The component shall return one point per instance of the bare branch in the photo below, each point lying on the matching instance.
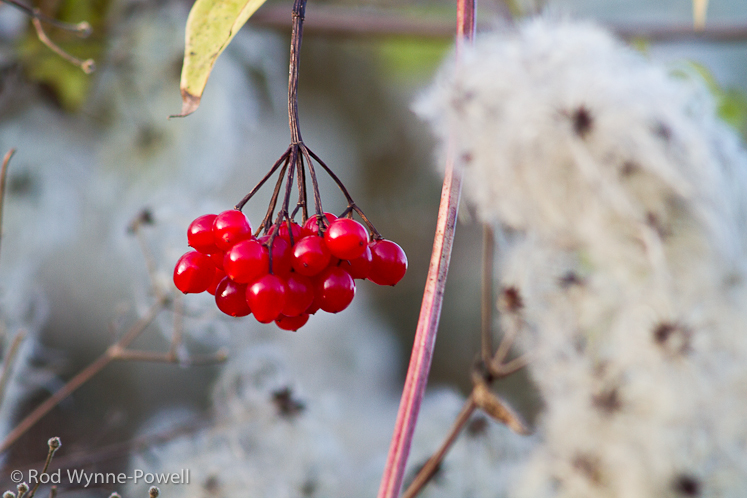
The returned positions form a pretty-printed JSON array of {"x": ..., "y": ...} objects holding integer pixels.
[
  {"x": 429, "y": 469},
  {"x": 355, "y": 22},
  {"x": 88, "y": 66}
]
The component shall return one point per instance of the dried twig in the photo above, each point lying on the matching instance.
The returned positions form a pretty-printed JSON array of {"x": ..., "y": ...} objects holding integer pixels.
[
  {"x": 88, "y": 66},
  {"x": 82, "y": 29},
  {"x": 356, "y": 22},
  {"x": 493, "y": 368},
  {"x": 117, "y": 351}
]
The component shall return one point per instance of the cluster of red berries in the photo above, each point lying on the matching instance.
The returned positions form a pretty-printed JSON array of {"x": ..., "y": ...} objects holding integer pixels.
[{"x": 308, "y": 269}]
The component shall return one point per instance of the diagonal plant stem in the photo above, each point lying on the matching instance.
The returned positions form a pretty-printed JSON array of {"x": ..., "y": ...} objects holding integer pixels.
[{"x": 430, "y": 310}]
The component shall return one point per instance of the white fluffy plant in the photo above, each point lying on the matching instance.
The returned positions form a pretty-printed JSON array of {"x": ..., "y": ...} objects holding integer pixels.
[{"x": 619, "y": 199}]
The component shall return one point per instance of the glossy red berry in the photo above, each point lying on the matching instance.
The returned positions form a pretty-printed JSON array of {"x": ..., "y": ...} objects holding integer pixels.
[
  {"x": 219, "y": 275},
  {"x": 217, "y": 258},
  {"x": 334, "y": 289},
  {"x": 231, "y": 298},
  {"x": 246, "y": 261},
  {"x": 193, "y": 272},
  {"x": 358, "y": 267},
  {"x": 281, "y": 255},
  {"x": 346, "y": 238},
  {"x": 310, "y": 255},
  {"x": 311, "y": 227},
  {"x": 299, "y": 294},
  {"x": 295, "y": 229},
  {"x": 314, "y": 306},
  {"x": 292, "y": 323},
  {"x": 230, "y": 227},
  {"x": 200, "y": 234},
  {"x": 266, "y": 297},
  {"x": 388, "y": 262}
]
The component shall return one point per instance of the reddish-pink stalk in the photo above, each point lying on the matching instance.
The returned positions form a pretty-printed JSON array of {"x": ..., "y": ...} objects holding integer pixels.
[{"x": 430, "y": 310}]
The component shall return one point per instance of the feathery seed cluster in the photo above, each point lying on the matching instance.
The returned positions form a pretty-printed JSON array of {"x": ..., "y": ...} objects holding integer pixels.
[{"x": 620, "y": 202}]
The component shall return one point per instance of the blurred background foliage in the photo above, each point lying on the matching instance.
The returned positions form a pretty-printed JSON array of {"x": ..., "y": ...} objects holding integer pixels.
[{"x": 364, "y": 83}]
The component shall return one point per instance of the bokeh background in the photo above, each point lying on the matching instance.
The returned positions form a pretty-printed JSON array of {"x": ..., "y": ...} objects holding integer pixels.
[{"x": 93, "y": 151}]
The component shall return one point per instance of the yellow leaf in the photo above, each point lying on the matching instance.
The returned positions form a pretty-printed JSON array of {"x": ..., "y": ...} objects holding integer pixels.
[{"x": 211, "y": 26}]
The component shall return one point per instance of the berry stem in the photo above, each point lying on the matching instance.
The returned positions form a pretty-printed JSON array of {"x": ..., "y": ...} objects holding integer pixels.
[
  {"x": 430, "y": 311},
  {"x": 299, "y": 10},
  {"x": 258, "y": 186},
  {"x": 315, "y": 187},
  {"x": 265, "y": 225},
  {"x": 301, "y": 192},
  {"x": 351, "y": 202}
]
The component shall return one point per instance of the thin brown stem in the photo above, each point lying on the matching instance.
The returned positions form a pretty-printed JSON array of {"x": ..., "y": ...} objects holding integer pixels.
[
  {"x": 321, "y": 220},
  {"x": 88, "y": 66},
  {"x": 82, "y": 377},
  {"x": 348, "y": 197},
  {"x": 3, "y": 177},
  {"x": 259, "y": 185},
  {"x": 170, "y": 357},
  {"x": 299, "y": 10},
  {"x": 83, "y": 29},
  {"x": 265, "y": 225},
  {"x": 9, "y": 361},
  {"x": 488, "y": 247},
  {"x": 506, "y": 369},
  {"x": 337, "y": 21},
  {"x": 302, "y": 199},
  {"x": 431, "y": 466},
  {"x": 334, "y": 177}
]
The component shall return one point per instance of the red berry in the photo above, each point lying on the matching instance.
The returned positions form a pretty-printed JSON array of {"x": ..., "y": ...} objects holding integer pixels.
[
  {"x": 311, "y": 227},
  {"x": 314, "y": 306},
  {"x": 388, "y": 262},
  {"x": 295, "y": 229},
  {"x": 281, "y": 255},
  {"x": 219, "y": 275},
  {"x": 231, "y": 298},
  {"x": 346, "y": 238},
  {"x": 200, "y": 234},
  {"x": 310, "y": 255},
  {"x": 266, "y": 297},
  {"x": 292, "y": 322},
  {"x": 217, "y": 258},
  {"x": 334, "y": 289},
  {"x": 246, "y": 261},
  {"x": 358, "y": 267},
  {"x": 193, "y": 272},
  {"x": 230, "y": 227},
  {"x": 299, "y": 294}
]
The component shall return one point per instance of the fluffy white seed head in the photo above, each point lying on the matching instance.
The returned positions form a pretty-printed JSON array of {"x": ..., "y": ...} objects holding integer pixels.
[{"x": 619, "y": 200}]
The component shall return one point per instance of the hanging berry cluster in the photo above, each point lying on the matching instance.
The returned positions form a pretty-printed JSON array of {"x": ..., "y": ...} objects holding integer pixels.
[
  {"x": 286, "y": 271},
  {"x": 307, "y": 270}
]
